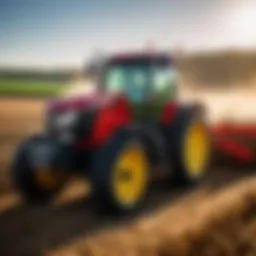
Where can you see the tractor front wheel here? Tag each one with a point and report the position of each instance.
(35, 186)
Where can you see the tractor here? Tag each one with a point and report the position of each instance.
(131, 130)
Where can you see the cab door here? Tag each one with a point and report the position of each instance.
(163, 89)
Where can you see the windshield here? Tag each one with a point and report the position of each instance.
(136, 80)
(132, 79)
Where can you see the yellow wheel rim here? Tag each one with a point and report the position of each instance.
(196, 149)
(130, 175)
(49, 179)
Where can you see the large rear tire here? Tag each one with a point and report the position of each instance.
(190, 147)
(120, 173)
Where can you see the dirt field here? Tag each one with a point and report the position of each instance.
(18, 118)
(216, 218)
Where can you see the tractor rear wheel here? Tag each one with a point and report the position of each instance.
(120, 173)
(191, 147)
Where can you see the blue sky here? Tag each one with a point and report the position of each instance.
(53, 33)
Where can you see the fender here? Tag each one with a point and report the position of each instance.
(173, 110)
(109, 118)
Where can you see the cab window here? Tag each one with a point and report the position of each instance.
(131, 79)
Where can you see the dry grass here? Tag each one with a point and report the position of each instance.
(221, 69)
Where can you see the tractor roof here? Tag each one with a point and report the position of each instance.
(138, 57)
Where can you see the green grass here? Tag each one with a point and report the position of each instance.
(25, 87)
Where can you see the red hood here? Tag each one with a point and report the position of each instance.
(80, 102)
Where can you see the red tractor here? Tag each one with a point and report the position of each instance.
(129, 131)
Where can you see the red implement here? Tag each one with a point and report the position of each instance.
(236, 140)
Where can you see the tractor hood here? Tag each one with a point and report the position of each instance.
(80, 102)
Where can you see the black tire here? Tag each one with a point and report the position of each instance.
(102, 171)
(185, 118)
(22, 176)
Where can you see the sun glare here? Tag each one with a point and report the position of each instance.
(243, 23)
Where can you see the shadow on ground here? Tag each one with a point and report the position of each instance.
(31, 230)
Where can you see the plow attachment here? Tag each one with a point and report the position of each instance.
(235, 142)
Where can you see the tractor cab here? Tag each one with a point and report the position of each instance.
(147, 81)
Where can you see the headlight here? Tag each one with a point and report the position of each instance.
(61, 125)
(58, 123)
(65, 120)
